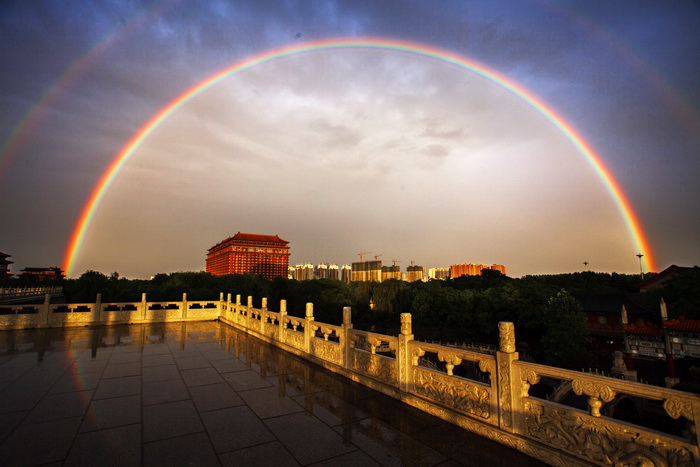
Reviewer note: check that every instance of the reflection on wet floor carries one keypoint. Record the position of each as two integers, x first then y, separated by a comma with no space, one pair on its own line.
204,394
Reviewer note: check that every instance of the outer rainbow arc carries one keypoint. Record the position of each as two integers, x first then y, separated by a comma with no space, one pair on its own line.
90,209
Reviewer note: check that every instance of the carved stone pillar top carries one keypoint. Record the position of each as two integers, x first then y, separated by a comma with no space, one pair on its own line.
310,310
347,315
406,327
506,333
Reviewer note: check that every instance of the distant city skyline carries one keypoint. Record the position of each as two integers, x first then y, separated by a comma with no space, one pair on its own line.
540,136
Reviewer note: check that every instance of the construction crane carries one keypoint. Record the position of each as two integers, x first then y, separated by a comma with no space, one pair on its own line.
363,253
377,256
395,261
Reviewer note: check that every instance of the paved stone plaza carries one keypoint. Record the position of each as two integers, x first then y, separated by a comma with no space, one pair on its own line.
204,394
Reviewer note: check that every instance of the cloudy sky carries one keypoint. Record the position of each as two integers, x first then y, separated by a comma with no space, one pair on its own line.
348,150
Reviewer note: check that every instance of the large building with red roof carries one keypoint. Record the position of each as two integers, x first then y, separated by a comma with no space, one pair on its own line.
265,255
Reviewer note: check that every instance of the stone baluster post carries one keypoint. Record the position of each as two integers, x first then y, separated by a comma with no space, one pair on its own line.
403,354
184,306
248,312
283,317
220,305
96,314
144,307
237,310
345,338
228,306
263,315
308,327
509,398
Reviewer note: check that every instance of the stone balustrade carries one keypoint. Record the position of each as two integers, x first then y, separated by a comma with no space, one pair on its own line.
25,291
47,314
493,394
494,399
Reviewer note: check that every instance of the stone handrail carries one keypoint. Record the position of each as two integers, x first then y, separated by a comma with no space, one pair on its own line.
498,406
500,409
6,292
47,314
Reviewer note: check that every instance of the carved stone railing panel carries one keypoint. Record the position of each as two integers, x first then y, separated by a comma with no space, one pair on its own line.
328,351
453,357
676,407
375,366
372,342
453,392
603,440
601,389
294,338
270,329
328,330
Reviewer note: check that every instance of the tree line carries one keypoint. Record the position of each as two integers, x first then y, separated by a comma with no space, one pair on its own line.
549,321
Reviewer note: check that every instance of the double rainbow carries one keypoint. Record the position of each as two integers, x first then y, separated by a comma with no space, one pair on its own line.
620,200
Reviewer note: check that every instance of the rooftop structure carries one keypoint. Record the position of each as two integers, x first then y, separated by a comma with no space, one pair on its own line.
43,274
5,265
265,255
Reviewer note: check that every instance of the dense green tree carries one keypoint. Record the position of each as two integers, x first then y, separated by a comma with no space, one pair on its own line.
86,287
328,297
565,342
435,304
391,298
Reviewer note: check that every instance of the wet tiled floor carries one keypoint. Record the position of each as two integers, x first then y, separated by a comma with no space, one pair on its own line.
204,394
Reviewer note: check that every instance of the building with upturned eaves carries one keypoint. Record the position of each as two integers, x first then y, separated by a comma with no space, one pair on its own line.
265,255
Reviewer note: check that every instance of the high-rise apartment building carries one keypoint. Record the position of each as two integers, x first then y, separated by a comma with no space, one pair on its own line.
367,271
470,269
439,273
265,255
333,272
415,273
391,272
322,271
304,272
346,273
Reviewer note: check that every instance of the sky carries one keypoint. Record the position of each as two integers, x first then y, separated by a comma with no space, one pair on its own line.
341,150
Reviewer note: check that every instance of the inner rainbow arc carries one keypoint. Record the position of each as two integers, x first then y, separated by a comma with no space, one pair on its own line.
618,196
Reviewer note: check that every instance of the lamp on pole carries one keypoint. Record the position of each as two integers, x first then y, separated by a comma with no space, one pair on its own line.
585,265
641,271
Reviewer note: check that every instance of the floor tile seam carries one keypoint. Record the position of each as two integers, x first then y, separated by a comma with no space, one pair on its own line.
121,425
223,381
143,404
333,427
72,441
357,448
276,440
201,419
2,440
303,410
87,405
144,442
404,434
29,411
